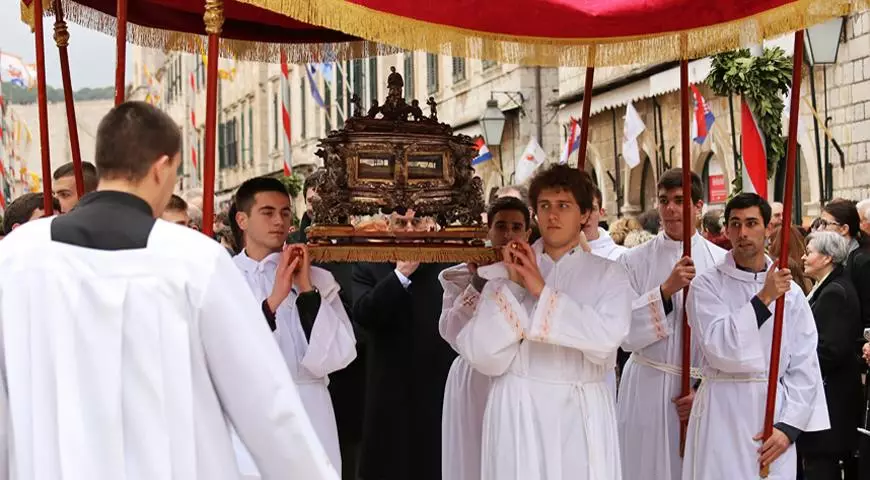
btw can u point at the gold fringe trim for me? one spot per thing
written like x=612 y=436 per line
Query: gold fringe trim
x=411 y=34
x=400 y=253
x=193 y=43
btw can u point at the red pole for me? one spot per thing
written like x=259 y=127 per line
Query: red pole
x=61 y=37
x=587 y=105
x=776 y=345
x=213 y=23
x=121 y=52
x=42 y=105
x=688 y=233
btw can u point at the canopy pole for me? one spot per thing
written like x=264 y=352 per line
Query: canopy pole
x=42 y=106
x=121 y=52
x=776 y=344
x=688 y=233
x=214 y=19
x=61 y=38
x=587 y=105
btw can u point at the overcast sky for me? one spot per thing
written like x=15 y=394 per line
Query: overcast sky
x=92 y=54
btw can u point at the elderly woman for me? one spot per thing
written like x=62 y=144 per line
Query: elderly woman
x=837 y=313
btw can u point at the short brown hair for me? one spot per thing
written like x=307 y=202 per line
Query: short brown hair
x=673 y=178
x=131 y=137
x=176 y=204
x=563 y=177
x=89 y=174
x=21 y=209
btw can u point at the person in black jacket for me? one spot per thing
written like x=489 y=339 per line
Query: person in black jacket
x=836 y=310
x=841 y=216
x=398 y=306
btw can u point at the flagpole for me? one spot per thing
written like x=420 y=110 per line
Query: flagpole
x=42 y=106
x=61 y=38
x=214 y=20
x=285 y=114
x=791 y=152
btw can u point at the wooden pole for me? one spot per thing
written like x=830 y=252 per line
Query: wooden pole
x=791 y=152
x=61 y=38
x=587 y=105
x=688 y=233
x=121 y=52
x=214 y=19
x=42 y=106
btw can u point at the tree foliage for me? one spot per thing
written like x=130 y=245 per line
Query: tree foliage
x=293 y=183
x=19 y=95
x=762 y=81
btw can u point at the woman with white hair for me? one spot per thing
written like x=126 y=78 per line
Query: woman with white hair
x=837 y=312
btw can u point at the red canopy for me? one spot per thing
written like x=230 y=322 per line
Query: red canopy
x=249 y=32
x=560 y=32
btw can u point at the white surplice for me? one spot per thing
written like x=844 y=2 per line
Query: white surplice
x=605 y=247
x=129 y=364
x=332 y=345
x=649 y=428
x=466 y=389
x=729 y=406
x=550 y=415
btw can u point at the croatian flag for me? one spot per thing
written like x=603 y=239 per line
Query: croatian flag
x=482 y=152
x=754 y=152
x=572 y=143
x=703 y=118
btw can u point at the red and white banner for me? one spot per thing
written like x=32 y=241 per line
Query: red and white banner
x=194 y=137
x=754 y=153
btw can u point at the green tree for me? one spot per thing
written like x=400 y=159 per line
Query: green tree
x=762 y=81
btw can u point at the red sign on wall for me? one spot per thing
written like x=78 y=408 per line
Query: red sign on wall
x=718 y=188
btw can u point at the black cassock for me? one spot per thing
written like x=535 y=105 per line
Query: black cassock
x=408 y=362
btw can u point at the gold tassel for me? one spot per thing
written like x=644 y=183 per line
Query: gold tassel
x=397 y=253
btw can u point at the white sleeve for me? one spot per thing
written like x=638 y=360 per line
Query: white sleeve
x=457 y=307
x=649 y=322
x=332 y=345
x=805 y=406
x=597 y=330
x=253 y=383
x=728 y=339
x=491 y=339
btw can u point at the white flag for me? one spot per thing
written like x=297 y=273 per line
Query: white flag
x=632 y=128
x=532 y=158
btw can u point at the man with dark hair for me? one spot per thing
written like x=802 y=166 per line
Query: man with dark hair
x=467 y=389
x=546 y=329
x=25 y=208
x=730 y=310
x=649 y=407
x=651 y=221
x=176 y=211
x=713 y=223
x=598 y=238
x=64 y=185
x=147 y=340
x=300 y=302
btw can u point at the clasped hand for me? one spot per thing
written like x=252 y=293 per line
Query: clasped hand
x=522 y=266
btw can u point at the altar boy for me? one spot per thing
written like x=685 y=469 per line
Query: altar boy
x=546 y=329
x=300 y=302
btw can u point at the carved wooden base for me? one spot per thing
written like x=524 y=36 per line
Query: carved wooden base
x=391 y=253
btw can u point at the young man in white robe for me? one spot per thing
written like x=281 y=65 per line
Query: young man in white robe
x=128 y=345
x=301 y=302
x=648 y=409
x=546 y=329
x=731 y=316
x=466 y=390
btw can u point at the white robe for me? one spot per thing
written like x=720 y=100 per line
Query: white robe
x=605 y=247
x=729 y=406
x=649 y=428
x=130 y=364
x=466 y=389
x=332 y=346
x=550 y=415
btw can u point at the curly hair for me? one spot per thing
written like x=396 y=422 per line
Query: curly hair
x=563 y=177
x=637 y=237
x=622 y=227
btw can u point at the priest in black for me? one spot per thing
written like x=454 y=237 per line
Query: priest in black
x=398 y=305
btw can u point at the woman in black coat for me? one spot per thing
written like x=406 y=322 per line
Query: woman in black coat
x=837 y=313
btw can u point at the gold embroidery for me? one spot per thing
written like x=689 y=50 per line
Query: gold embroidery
x=656 y=318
